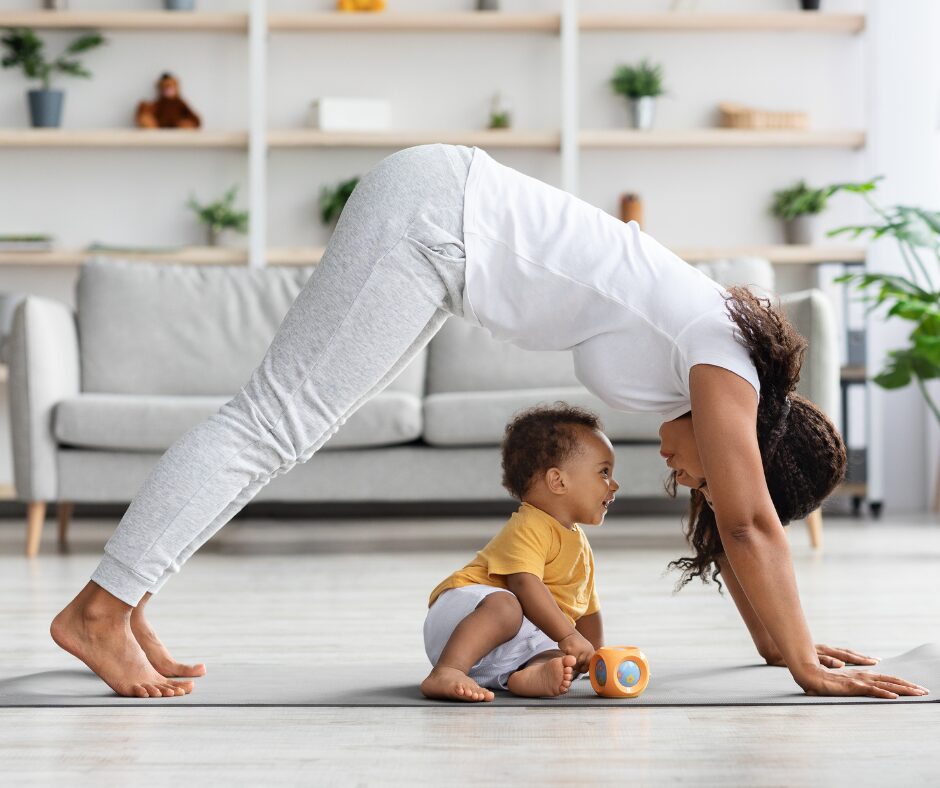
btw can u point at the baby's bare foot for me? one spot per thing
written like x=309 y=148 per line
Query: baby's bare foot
x=157 y=653
x=544 y=679
x=106 y=644
x=451 y=684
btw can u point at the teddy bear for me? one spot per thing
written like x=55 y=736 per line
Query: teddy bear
x=169 y=111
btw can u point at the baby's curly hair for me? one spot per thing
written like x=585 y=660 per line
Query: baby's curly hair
x=540 y=438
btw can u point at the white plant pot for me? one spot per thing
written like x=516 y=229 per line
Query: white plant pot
x=801 y=230
x=643 y=112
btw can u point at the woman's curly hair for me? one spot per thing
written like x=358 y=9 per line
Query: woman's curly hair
x=802 y=452
x=540 y=438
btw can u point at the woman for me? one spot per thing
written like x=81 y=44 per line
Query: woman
x=438 y=230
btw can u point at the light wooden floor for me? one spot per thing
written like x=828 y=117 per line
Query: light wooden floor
x=345 y=591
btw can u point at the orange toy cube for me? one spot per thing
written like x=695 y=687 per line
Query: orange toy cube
x=619 y=671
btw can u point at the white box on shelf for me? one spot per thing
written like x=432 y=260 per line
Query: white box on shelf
x=349 y=114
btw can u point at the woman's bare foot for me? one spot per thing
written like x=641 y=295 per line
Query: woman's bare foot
x=546 y=679
x=96 y=629
x=156 y=652
x=445 y=683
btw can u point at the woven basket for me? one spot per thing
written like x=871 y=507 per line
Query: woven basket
x=737 y=116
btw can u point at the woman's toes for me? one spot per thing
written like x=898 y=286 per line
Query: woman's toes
x=140 y=691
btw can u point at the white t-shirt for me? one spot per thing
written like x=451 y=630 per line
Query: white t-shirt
x=547 y=271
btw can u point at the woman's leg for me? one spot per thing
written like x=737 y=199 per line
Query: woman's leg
x=391 y=275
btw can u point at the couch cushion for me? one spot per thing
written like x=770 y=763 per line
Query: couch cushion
x=464 y=357
x=185 y=330
x=142 y=423
x=479 y=418
x=755 y=272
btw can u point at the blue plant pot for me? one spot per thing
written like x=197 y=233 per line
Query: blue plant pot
x=45 y=108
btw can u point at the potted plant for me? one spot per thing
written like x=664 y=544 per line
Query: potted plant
x=809 y=5
x=333 y=199
x=220 y=215
x=798 y=207
x=26 y=50
x=915 y=297
x=179 y=5
x=500 y=113
x=641 y=85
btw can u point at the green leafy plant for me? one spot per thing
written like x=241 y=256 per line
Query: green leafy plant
x=333 y=199
x=221 y=214
x=26 y=50
x=913 y=297
x=801 y=199
x=643 y=79
x=798 y=200
x=499 y=120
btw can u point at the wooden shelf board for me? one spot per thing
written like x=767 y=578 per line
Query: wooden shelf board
x=852 y=488
x=853 y=374
x=310 y=255
x=190 y=255
x=468 y=21
x=454 y=22
x=786 y=21
x=127 y=20
x=121 y=138
x=295 y=255
x=780 y=254
x=484 y=138
x=720 y=138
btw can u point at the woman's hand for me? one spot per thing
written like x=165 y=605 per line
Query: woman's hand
x=829 y=657
x=580 y=648
x=824 y=681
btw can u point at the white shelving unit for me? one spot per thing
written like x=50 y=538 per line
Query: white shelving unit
x=572 y=29
x=569 y=25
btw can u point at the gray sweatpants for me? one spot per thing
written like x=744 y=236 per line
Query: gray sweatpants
x=391 y=275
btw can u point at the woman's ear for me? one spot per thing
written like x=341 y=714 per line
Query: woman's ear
x=555 y=481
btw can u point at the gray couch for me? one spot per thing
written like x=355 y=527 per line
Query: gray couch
x=97 y=395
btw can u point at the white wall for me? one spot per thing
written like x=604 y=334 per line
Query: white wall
x=443 y=81
x=904 y=73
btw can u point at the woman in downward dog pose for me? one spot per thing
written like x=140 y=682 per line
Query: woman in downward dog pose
x=435 y=231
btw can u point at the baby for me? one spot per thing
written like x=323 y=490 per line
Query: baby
x=524 y=615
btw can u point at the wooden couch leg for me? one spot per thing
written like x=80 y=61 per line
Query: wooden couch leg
x=35 y=517
x=65 y=517
x=814 y=522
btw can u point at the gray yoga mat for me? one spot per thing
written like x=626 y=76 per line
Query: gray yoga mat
x=677 y=684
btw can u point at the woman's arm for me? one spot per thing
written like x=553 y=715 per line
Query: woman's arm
x=762 y=640
x=592 y=627
x=724 y=417
x=829 y=656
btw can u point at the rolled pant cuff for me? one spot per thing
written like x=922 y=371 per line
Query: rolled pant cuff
x=115 y=578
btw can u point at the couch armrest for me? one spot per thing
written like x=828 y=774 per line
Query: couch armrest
x=44 y=369
x=813 y=316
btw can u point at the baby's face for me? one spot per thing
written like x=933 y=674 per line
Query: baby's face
x=591 y=472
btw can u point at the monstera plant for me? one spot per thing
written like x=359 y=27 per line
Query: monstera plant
x=914 y=297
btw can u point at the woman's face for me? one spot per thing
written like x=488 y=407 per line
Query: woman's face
x=677 y=445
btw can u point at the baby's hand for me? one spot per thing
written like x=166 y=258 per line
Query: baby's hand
x=580 y=648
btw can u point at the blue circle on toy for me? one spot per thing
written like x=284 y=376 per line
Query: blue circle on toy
x=600 y=672
x=628 y=673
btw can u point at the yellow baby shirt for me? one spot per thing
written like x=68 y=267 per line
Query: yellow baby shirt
x=535 y=542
